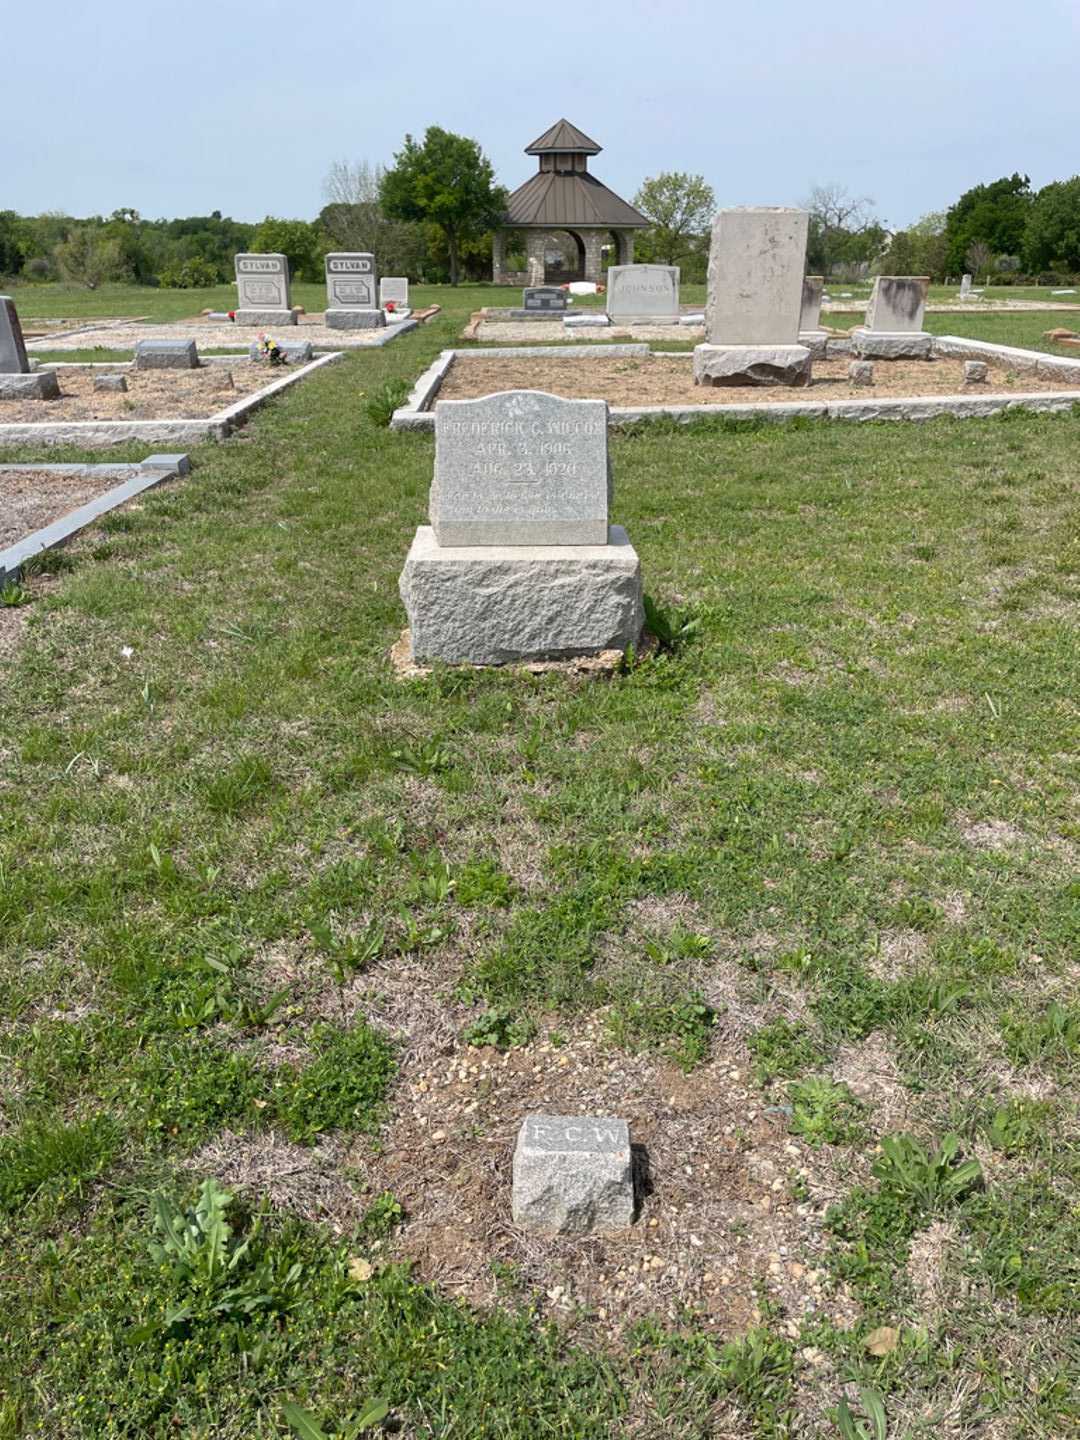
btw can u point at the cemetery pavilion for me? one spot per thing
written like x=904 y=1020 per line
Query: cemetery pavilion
x=563 y=200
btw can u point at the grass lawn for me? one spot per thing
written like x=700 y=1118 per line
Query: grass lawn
x=796 y=896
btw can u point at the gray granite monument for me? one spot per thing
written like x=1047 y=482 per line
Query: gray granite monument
x=17 y=381
x=572 y=1175
x=351 y=292
x=395 y=288
x=894 y=320
x=166 y=355
x=262 y=283
x=643 y=295
x=755 y=287
x=519 y=561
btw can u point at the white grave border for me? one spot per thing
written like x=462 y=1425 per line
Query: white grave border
x=418 y=413
x=132 y=479
x=95 y=434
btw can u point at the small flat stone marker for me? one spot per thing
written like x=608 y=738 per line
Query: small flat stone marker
x=13 y=359
x=861 y=372
x=166 y=355
x=975 y=372
x=572 y=1175
x=110 y=383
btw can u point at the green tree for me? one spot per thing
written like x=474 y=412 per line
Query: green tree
x=12 y=253
x=918 y=250
x=353 y=219
x=843 y=229
x=1052 y=233
x=679 y=207
x=90 y=257
x=996 y=214
x=297 y=240
x=447 y=182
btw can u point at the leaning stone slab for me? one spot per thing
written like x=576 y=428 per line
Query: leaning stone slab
x=166 y=355
x=494 y=605
x=39 y=385
x=643 y=294
x=13 y=359
x=898 y=303
x=572 y=1175
x=897 y=345
x=751 y=365
x=521 y=468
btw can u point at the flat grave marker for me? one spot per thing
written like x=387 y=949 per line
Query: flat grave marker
x=573 y=1174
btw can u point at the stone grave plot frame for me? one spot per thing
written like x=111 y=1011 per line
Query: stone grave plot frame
x=262 y=285
x=894 y=320
x=131 y=480
x=418 y=411
x=519 y=563
x=98 y=434
x=352 y=292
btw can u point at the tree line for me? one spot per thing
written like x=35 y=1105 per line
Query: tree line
x=431 y=214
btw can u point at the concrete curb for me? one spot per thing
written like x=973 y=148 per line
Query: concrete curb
x=96 y=434
x=417 y=414
x=134 y=479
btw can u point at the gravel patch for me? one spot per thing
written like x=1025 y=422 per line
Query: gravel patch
x=151 y=395
x=208 y=335
x=30 y=500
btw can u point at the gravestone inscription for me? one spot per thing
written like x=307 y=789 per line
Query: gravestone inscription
x=643 y=294
x=520 y=468
x=350 y=281
x=573 y=1174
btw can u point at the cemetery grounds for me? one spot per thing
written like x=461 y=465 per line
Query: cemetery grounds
x=795 y=894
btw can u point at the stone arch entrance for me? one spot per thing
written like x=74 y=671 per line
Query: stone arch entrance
x=564 y=257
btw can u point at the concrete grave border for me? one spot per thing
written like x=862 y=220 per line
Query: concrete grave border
x=417 y=412
x=133 y=478
x=95 y=434
x=388 y=333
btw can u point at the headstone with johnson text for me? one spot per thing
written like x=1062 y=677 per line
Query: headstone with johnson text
x=262 y=283
x=643 y=294
x=519 y=561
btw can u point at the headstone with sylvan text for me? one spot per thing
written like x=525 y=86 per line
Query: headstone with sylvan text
x=352 y=292
x=262 y=283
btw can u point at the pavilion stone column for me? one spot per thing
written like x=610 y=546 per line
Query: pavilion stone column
x=594 y=240
x=625 y=241
x=537 y=244
x=498 y=257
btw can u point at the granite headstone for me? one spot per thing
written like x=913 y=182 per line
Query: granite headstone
x=543 y=297
x=13 y=359
x=262 y=283
x=643 y=294
x=395 y=288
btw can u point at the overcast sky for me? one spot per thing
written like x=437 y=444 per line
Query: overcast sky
x=241 y=105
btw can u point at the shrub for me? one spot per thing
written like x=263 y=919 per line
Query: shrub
x=195 y=274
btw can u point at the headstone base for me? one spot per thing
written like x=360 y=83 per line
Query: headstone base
x=751 y=365
x=644 y=319
x=494 y=605
x=891 y=344
x=266 y=317
x=579 y=322
x=815 y=341
x=354 y=319
x=41 y=385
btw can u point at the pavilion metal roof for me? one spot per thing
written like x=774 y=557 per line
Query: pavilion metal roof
x=556 y=200
x=564 y=138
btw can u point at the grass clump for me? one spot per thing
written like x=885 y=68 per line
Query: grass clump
x=343 y=1088
x=825 y=1113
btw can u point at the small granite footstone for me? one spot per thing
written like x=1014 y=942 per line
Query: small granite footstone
x=976 y=372
x=110 y=383
x=861 y=372
x=499 y=604
x=13 y=359
x=729 y=365
x=166 y=355
x=521 y=468
x=572 y=1175
x=40 y=385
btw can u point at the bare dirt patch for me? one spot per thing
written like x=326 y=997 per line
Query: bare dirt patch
x=718 y=1216
x=151 y=395
x=668 y=380
x=32 y=499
